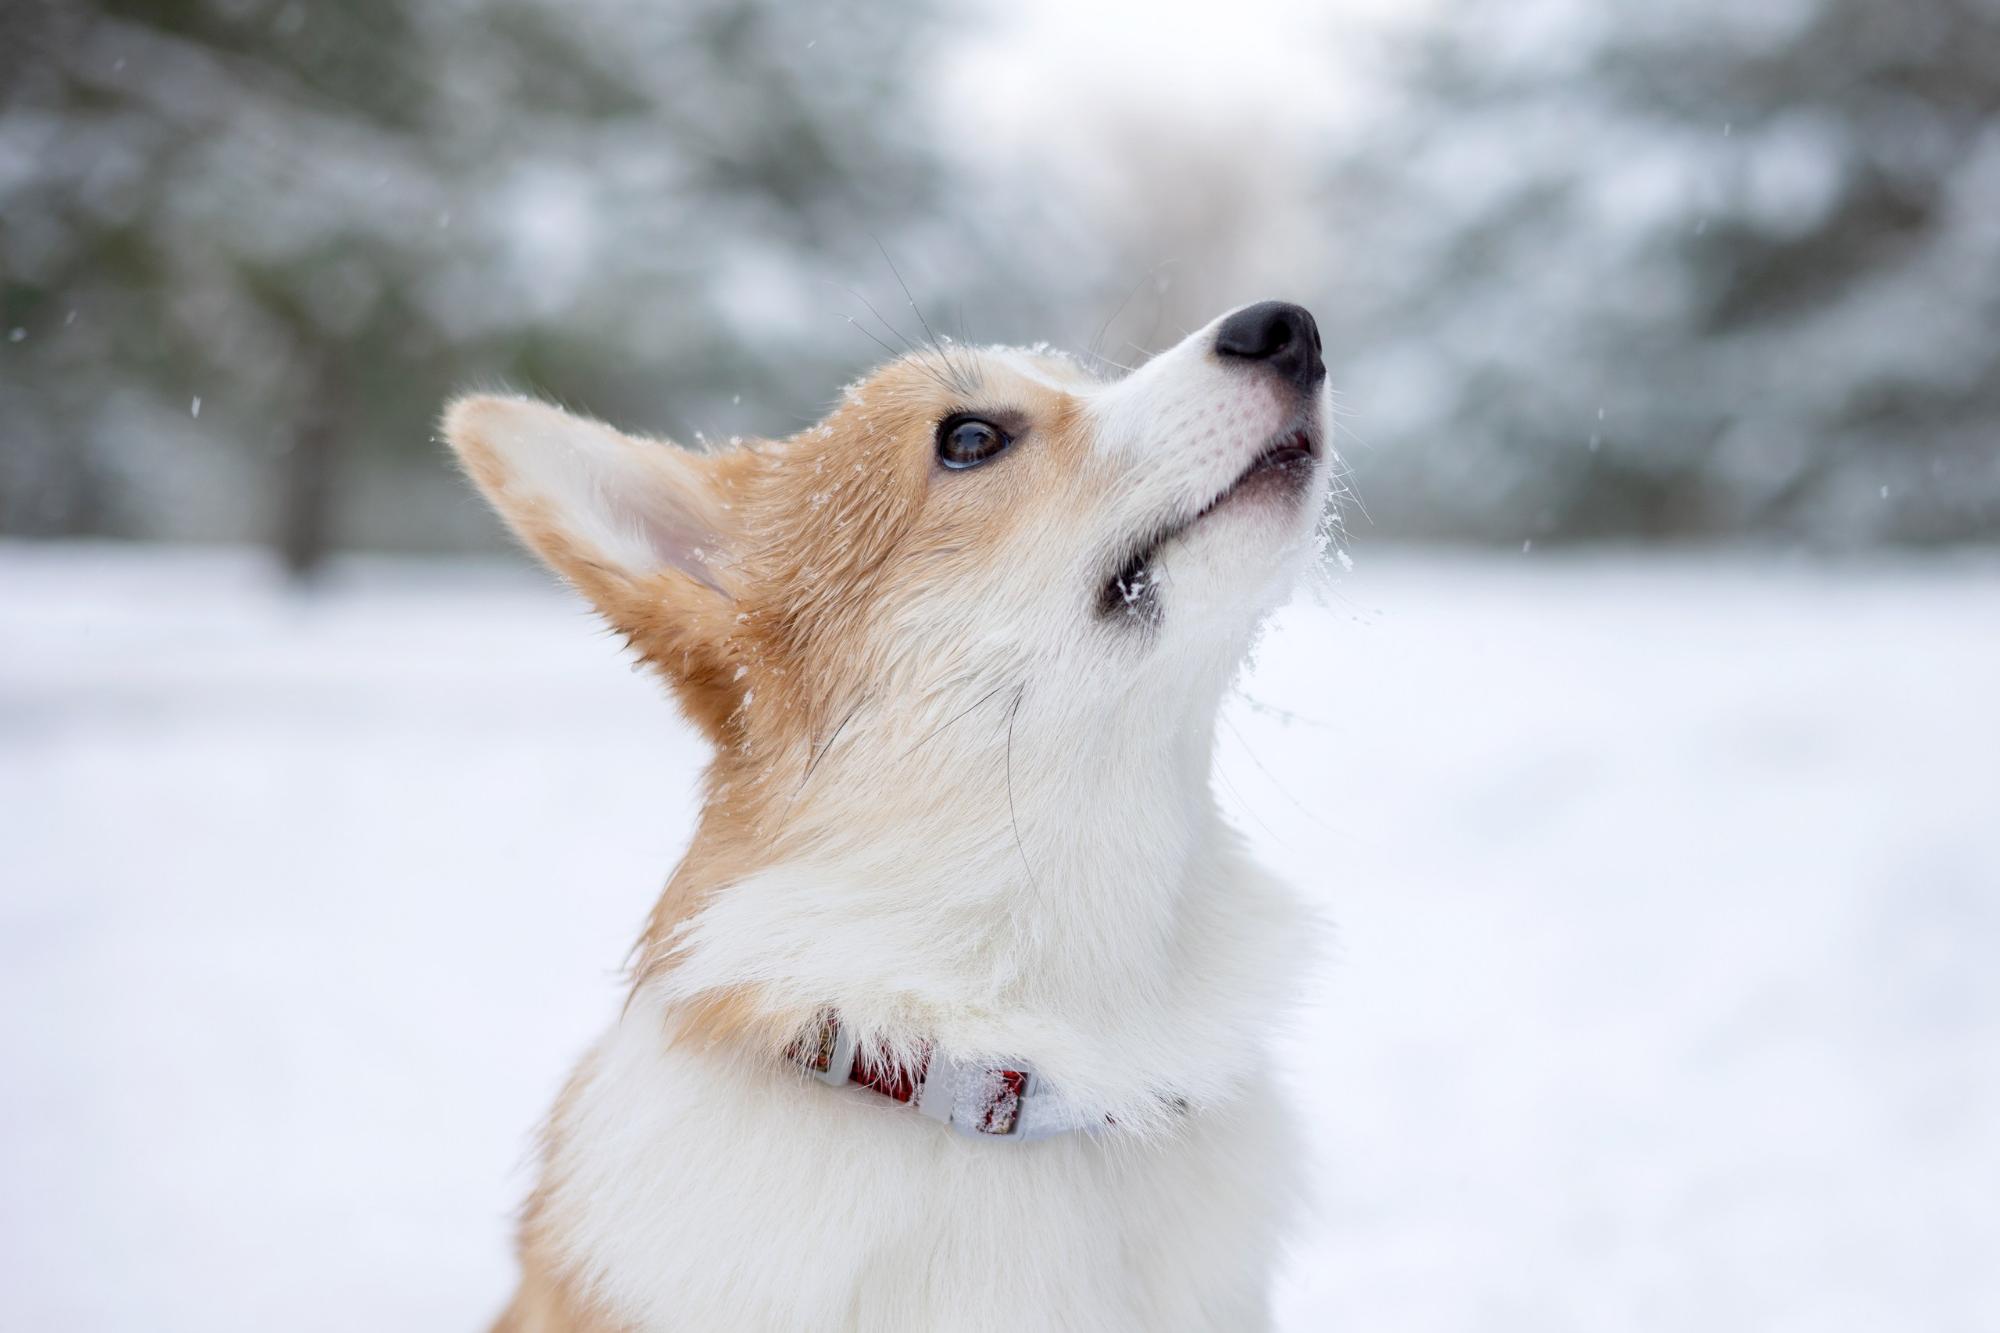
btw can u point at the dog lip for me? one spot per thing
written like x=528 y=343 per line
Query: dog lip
x=1287 y=449
x=1295 y=446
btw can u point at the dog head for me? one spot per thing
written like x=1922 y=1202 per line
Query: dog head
x=964 y=520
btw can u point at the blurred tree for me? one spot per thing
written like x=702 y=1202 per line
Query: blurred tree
x=1695 y=269
x=264 y=230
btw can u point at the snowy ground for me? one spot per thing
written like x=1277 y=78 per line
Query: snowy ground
x=1667 y=895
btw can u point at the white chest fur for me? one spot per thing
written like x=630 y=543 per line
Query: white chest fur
x=1144 y=964
x=710 y=1187
x=696 y=1189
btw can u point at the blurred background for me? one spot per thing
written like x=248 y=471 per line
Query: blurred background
x=1710 y=271
x=1638 y=742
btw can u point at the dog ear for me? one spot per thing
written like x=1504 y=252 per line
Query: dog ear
x=642 y=528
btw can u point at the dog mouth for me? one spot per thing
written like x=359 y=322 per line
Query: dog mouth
x=1284 y=466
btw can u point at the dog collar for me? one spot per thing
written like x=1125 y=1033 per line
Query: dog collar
x=980 y=1101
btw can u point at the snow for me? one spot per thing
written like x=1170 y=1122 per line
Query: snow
x=1665 y=895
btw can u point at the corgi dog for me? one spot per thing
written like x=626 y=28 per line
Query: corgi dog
x=953 y=1015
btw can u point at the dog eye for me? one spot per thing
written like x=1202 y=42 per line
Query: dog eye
x=964 y=442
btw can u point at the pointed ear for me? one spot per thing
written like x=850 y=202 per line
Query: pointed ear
x=606 y=510
x=640 y=527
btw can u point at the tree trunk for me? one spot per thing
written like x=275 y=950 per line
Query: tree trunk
x=306 y=481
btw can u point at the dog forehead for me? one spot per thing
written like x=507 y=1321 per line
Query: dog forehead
x=1039 y=367
x=926 y=386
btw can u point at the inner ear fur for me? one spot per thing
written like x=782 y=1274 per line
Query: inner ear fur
x=643 y=528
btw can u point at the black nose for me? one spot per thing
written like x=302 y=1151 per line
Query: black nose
x=1278 y=333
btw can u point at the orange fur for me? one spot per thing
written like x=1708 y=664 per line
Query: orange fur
x=824 y=531
x=851 y=574
x=546 y=1303
x=820 y=533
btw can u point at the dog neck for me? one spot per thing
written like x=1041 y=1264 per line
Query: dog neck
x=1053 y=883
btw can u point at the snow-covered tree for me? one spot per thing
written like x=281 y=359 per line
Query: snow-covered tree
x=1687 y=269
x=279 y=233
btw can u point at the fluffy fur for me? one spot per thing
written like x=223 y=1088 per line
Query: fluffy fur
x=961 y=793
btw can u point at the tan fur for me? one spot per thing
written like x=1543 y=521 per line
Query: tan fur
x=820 y=533
x=837 y=525
x=824 y=531
x=543 y=1303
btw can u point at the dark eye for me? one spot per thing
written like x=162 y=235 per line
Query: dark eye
x=964 y=442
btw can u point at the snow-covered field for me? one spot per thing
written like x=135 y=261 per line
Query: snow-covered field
x=1665 y=992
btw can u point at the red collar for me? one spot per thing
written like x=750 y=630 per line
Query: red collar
x=979 y=1100
x=982 y=1101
